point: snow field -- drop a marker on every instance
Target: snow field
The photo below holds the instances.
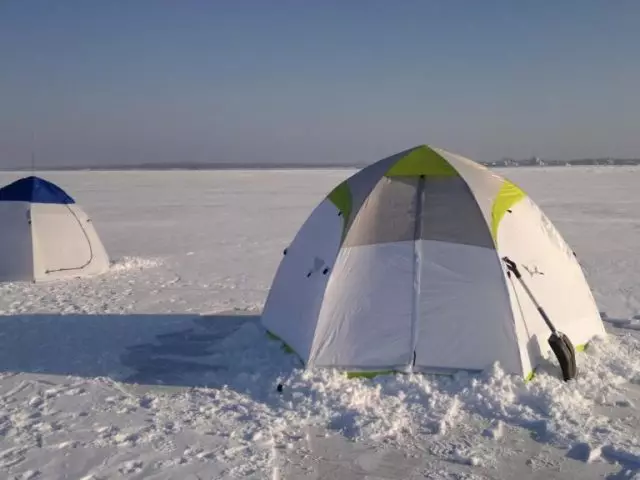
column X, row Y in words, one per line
column 159, row 368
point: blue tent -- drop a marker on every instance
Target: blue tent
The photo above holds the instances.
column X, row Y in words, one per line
column 45, row 235
column 34, row 190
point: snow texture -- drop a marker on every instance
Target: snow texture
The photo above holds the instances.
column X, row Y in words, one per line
column 159, row 368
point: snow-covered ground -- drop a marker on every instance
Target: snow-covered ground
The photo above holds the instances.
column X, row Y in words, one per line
column 158, row 369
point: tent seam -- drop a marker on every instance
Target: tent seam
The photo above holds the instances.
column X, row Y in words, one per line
column 326, row 286
column 417, row 269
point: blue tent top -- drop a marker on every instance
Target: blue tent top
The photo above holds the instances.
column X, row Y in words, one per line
column 34, row 190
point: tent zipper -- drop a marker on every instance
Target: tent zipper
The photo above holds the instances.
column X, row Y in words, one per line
column 417, row 267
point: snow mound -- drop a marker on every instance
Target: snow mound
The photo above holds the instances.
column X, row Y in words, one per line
column 126, row 264
column 458, row 418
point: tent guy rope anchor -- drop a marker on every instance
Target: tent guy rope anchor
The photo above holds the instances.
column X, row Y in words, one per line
column 558, row 341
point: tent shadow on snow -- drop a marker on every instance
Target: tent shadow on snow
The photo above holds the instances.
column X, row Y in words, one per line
column 178, row 357
column 153, row 349
column 179, row 350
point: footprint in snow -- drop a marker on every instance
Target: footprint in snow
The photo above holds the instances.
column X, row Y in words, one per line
column 131, row 467
column 28, row 475
column 12, row 456
column 36, row 402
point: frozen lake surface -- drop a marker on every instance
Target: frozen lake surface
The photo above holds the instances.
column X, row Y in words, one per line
column 158, row 369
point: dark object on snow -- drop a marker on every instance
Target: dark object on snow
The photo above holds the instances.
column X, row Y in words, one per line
column 565, row 353
column 279, row 388
column 558, row 341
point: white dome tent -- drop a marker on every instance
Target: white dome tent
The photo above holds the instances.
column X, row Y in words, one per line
column 401, row 268
column 45, row 235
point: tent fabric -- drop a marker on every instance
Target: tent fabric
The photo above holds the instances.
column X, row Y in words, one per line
column 46, row 240
column 399, row 269
column 34, row 190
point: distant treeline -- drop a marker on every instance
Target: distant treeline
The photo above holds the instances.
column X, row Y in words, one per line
column 534, row 162
column 188, row 166
column 537, row 162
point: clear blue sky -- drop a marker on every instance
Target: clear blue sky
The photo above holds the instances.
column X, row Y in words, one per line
column 326, row 80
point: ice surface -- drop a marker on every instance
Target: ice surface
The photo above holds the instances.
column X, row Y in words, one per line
column 159, row 368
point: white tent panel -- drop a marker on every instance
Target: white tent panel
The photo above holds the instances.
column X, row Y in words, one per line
column 59, row 240
column 365, row 320
column 16, row 253
column 464, row 310
column 291, row 309
column 484, row 183
column 553, row 274
column 65, row 243
column 100, row 262
column 532, row 347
